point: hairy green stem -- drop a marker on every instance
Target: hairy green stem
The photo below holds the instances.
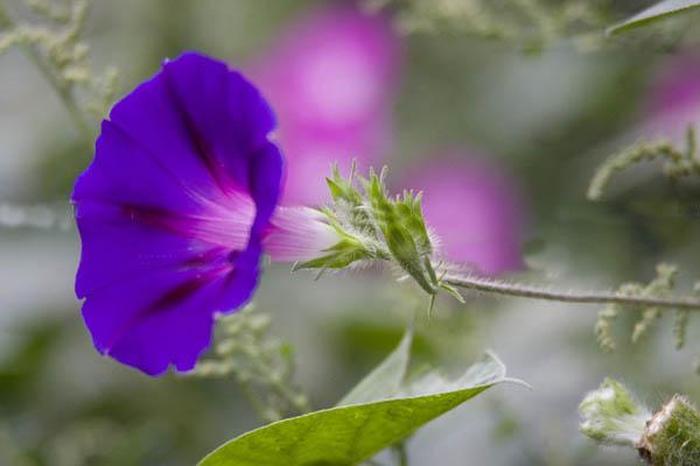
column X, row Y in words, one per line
column 519, row 290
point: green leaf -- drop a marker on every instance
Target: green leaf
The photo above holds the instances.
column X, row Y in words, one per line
column 386, row 379
column 348, row 435
column 654, row 13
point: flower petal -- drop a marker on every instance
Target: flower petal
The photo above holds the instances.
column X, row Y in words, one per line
column 332, row 77
column 172, row 211
column 298, row 234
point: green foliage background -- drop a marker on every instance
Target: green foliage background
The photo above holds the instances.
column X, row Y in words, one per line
column 549, row 116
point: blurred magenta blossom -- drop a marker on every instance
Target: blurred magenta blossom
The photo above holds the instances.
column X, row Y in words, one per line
column 474, row 209
column 331, row 79
column 674, row 99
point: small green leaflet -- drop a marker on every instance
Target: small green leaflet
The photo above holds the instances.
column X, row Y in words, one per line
column 349, row 434
column 656, row 12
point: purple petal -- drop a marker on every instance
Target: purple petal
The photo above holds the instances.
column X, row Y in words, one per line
column 677, row 86
column 172, row 212
column 674, row 99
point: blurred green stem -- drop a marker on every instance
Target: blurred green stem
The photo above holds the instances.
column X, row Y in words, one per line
column 297, row 401
column 10, row 451
column 261, row 365
column 4, row 19
column 679, row 161
column 266, row 413
column 488, row 285
column 401, row 454
column 62, row 90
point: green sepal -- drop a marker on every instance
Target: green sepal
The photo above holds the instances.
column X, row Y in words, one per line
column 401, row 223
column 340, row 255
column 343, row 189
column 452, row 291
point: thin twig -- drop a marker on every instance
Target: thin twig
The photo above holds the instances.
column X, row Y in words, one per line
column 519, row 290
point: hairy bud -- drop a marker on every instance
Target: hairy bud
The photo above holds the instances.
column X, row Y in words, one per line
column 670, row 437
column 612, row 416
column 372, row 225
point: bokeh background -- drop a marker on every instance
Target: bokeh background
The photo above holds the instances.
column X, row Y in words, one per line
column 507, row 138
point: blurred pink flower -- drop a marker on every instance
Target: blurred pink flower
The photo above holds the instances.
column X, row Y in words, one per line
column 674, row 99
column 331, row 79
column 474, row 209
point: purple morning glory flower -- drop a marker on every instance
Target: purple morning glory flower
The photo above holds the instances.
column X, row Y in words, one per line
column 175, row 211
column 677, row 87
column 474, row 210
column 674, row 99
column 331, row 78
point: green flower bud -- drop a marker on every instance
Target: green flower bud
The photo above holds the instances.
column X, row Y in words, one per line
column 612, row 416
column 670, row 437
column 372, row 225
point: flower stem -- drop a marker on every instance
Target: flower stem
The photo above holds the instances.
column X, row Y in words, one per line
column 401, row 454
column 487, row 285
